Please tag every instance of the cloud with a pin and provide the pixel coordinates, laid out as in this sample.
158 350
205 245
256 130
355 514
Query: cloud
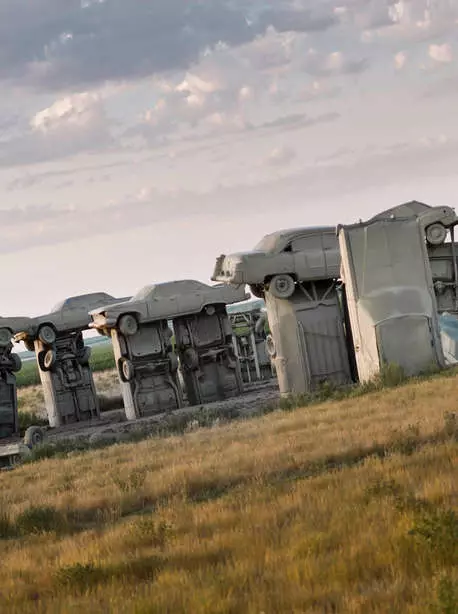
296 121
281 156
411 20
294 20
74 45
229 90
345 173
332 64
26 179
366 14
70 125
441 53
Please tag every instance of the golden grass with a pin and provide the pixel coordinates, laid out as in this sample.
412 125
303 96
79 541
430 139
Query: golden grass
304 511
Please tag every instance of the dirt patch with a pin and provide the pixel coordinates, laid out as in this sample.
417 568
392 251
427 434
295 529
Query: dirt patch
112 423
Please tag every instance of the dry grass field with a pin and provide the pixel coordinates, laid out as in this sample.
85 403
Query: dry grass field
347 506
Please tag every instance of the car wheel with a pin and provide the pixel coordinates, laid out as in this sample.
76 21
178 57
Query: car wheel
270 347
126 369
79 343
190 359
436 234
47 359
47 334
282 286
128 325
5 337
33 436
84 356
16 363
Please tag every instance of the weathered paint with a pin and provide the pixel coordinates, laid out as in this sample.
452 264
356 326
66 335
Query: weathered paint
209 368
309 338
390 295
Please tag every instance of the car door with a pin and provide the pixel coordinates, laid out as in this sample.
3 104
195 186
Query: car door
309 256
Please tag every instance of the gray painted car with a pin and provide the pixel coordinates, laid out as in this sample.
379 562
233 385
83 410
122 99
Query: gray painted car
161 301
280 259
70 314
10 327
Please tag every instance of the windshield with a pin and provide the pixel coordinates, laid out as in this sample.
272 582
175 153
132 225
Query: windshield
144 293
267 244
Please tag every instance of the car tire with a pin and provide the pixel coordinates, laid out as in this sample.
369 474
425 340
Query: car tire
282 286
436 234
49 360
126 369
190 359
5 337
128 325
33 436
84 356
47 334
270 347
16 363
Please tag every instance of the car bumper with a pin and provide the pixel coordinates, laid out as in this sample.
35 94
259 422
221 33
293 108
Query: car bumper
228 271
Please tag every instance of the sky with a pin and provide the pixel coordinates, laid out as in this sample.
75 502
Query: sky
140 139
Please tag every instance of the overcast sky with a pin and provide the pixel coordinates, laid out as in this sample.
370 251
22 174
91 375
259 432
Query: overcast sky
139 139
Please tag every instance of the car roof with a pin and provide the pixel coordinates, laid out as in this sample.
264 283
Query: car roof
170 289
412 208
82 300
281 237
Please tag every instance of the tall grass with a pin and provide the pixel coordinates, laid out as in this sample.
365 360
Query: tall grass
343 506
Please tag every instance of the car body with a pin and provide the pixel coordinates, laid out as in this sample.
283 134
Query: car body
437 224
390 296
166 301
443 215
10 327
308 253
70 314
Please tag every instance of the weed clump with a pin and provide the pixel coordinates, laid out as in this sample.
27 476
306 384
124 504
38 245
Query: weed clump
80 576
7 528
27 419
437 529
39 519
446 597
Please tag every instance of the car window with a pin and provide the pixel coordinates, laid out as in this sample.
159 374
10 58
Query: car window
307 243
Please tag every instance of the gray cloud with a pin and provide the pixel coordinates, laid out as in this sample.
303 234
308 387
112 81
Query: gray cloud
280 156
69 126
296 121
69 44
26 180
40 225
294 20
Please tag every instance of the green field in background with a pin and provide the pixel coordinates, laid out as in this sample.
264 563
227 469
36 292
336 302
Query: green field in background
102 358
